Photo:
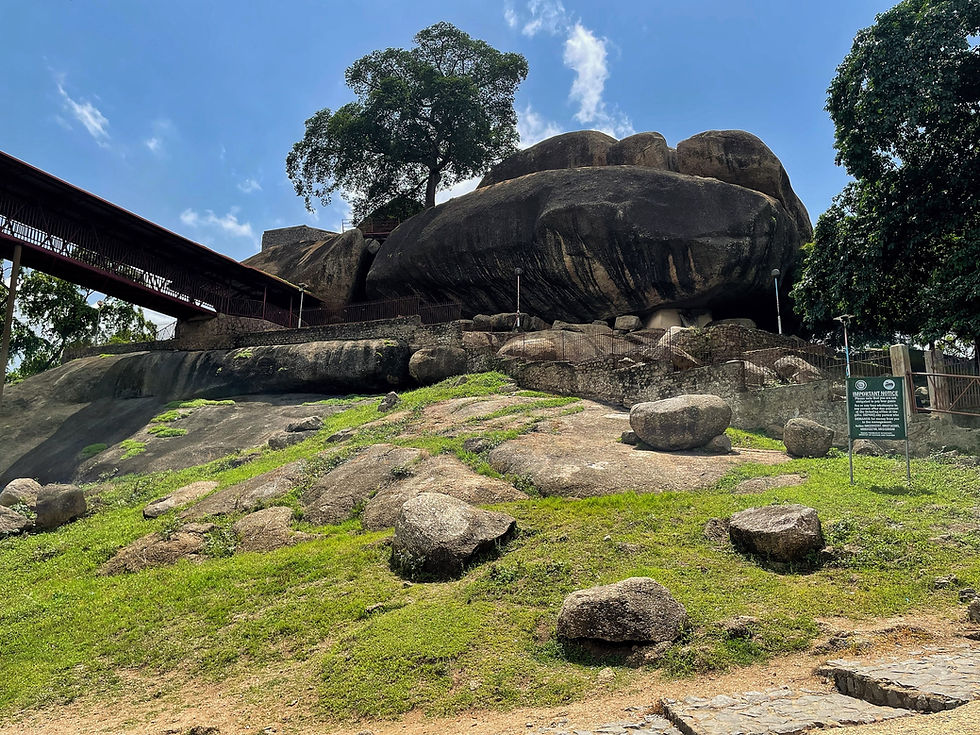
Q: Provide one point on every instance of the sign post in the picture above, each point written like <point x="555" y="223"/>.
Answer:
<point x="876" y="410"/>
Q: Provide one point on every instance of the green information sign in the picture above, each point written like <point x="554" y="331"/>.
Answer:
<point x="876" y="408"/>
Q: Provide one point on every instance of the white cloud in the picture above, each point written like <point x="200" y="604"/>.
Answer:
<point x="533" y="128"/>
<point x="228" y="223"/>
<point x="586" y="56"/>
<point x="510" y="16"/>
<point x="545" y="15"/>
<point x="458" y="189"/>
<point x="163" y="131"/>
<point x="88" y="115"/>
<point x="249" y="185"/>
<point x="154" y="144"/>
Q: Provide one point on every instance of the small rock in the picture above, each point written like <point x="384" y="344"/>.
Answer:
<point x="508" y="388"/>
<point x="967" y="594"/>
<point x="22" y="491"/>
<point x="741" y="626"/>
<point x="716" y="530"/>
<point x="182" y="496"/>
<point x="945" y="583"/>
<point x="389" y="402"/>
<point x="627" y="323"/>
<point x="606" y="676"/>
<point x="57" y="505"/>
<point x="341" y="435"/>
<point x="783" y="533"/>
<point x="12" y="522"/>
<point x="806" y="438"/>
<point x="476" y="444"/>
<point x="973" y="612"/>
<point x="637" y="610"/>
<point x="721" y="444"/>
<point x="267" y="530"/>
<point x="310" y="423"/>
<point x="629" y="437"/>
<point x="287" y="438"/>
<point x="867" y="448"/>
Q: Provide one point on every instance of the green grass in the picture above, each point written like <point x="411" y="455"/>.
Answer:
<point x="378" y="647"/>
<point x="132" y="448"/>
<point x="91" y="450"/>
<point x="198" y="402"/>
<point x="166" y="431"/>
<point x="752" y="440"/>
<point x="167" y="416"/>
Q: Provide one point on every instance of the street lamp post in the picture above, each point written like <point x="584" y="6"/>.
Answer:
<point x="518" y="272"/>
<point x="779" y="317"/>
<point x="98" y="316"/>
<point x="845" y="319"/>
<point x="302" y="292"/>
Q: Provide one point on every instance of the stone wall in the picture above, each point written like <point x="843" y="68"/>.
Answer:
<point x="291" y="235"/>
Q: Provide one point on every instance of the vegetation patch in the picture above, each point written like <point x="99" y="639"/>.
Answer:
<point x="167" y="416"/>
<point x="91" y="450"/>
<point x="198" y="402"/>
<point x="166" y="431"/>
<point x="132" y="448"/>
<point x="753" y="440"/>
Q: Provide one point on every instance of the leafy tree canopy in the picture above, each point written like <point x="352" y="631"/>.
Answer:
<point x="425" y="119"/>
<point x="899" y="247"/>
<point x="52" y="314"/>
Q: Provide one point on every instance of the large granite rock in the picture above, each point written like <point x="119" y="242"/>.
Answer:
<point x="806" y="438"/>
<point x="643" y="149"/>
<point x="20" y="491"/>
<point x="432" y="364"/>
<point x="58" y="505"/>
<point x="436" y="536"/>
<point x="334" y="268"/>
<point x="594" y="243"/>
<point x="783" y="533"/>
<point x="568" y="150"/>
<point x="636" y="610"/>
<point x="682" y="422"/>
<point x="741" y="158"/>
<point x="249" y="494"/>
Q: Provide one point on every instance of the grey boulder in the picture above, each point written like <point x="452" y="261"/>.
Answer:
<point x="568" y="150"/>
<point x="795" y="369"/>
<point x="806" y="438"/>
<point x="310" y="423"/>
<point x="973" y="611"/>
<point x="182" y="496"/>
<point x="12" y="522"/>
<point x="436" y="536"/>
<point x="783" y="533"/>
<point x="636" y="610"/>
<point x="57" y="505"/>
<point x="682" y="422"/>
<point x="22" y="491"/>
<point x="432" y="364"/>
<point x="267" y="530"/>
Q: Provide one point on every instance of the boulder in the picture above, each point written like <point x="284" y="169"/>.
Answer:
<point x="436" y="536"/>
<point x="12" y="522"/>
<point x="57" y="505"/>
<point x="267" y="530"/>
<point x="642" y="149"/>
<point x="741" y="158"/>
<point x="783" y="533"/>
<point x="721" y="444"/>
<point x="682" y="422"/>
<point x="507" y="322"/>
<point x="390" y="400"/>
<point x="636" y="610"/>
<point x="795" y="369"/>
<point x="283" y="439"/>
<point x="594" y="243"/>
<point x="310" y="423"/>
<point x="432" y="364"/>
<point x="628" y="323"/>
<point x="160" y="549"/>
<point x="182" y="496"/>
<point x="568" y="150"/>
<point x="806" y="438"/>
<point x="868" y="448"/>
<point x="249" y="494"/>
<point x="759" y="375"/>
<point x="22" y="491"/>
<point x="973" y="611"/>
<point x="595" y="327"/>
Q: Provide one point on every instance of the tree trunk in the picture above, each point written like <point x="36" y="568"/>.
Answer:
<point x="430" y="188"/>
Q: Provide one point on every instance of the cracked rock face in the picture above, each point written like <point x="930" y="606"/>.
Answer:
<point x="636" y="610"/>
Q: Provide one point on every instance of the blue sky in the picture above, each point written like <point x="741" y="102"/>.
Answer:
<point x="183" y="111"/>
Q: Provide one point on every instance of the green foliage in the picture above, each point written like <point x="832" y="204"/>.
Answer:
<point x="167" y="416"/>
<point x="132" y="448"/>
<point x="198" y="402"/>
<point x="425" y="119"/>
<point x="899" y="246"/>
<point x="91" y="450"/>
<point x="53" y="314"/>
<point x="165" y="431"/>
<point x="753" y="440"/>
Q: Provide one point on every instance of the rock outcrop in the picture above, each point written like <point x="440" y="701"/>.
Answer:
<point x="593" y="243"/>
<point x="249" y="494"/>
<point x="436" y="536"/>
<point x="568" y="150"/>
<point x="181" y="496"/>
<point x="432" y="364"/>
<point x="160" y="549"/>
<point x="267" y="530"/>
<point x="682" y="422"/>
<point x="636" y="610"/>
<point x="783" y="533"/>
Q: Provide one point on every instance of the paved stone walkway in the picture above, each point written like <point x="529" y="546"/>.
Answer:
<point x="868" y="693"/>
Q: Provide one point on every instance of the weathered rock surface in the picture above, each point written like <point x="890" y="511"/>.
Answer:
<point x="973" y="611"/>
<point x="432" y="364"/>
<point x="335" y="496"/>
<point x="578" y="346"/>
<point x="12" y="522"/>
<point x="267" y="530"/>
<point x="249" y="494"/>
<point x="568" y="150"/>
<point x="741" y="158"/>
<point x="682" y="422"/>
<point x="806" y="438"/>
<point x="594" y="243"/>
<point x="795" y="369"/>
<point x="21" y="491"/>
<point x="783" y="533"/>
<point x="721" y="444"/>
<point x="636" y="610"/>
<point x="284" y="439"/>
<point x="628" y="323"/>
<point x="643" y="149"/>
<point x="159" y="550"/>
<point x="442" y="474"/>
<point x="507" y="322"/>
<point x="310" y="423"/>
<point x="182" y="496"/>
<point x="334" y="268"/>
<point x="436" y="536"/>
<point x="58" y="505"/>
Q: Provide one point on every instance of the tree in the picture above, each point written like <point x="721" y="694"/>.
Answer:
<point x="425" y="119"/>
<point x="53" y="314"/>
<point x="900" y="245"/>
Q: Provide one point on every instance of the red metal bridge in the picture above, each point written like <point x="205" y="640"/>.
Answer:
<point x="69" y="233"/>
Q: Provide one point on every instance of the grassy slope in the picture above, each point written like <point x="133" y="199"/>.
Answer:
<point x="486" y="640"/>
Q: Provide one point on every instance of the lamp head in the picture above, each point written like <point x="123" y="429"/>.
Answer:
<point x="775" y="273"/>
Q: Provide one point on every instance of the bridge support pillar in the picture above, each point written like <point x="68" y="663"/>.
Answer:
<point x="8" y="319"/>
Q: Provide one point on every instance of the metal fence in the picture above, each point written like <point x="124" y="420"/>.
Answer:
<point x="953" y="385"/>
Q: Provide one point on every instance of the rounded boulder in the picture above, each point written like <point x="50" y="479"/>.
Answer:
<point x="432" y="364"/>
<point x="682" y="422"/>
<point x="22" y="491"/>
<point x="57" y="505"/>
<point x="636" y="610"/>
<point x="784" y="533"/>
<point x="806" y="438"/>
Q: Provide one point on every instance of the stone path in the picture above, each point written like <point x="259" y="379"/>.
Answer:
<point x="931" y="681"/>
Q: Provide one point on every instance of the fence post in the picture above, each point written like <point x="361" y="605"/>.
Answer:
<point x="902" y="368"/>
<point x="939" y="398"/>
